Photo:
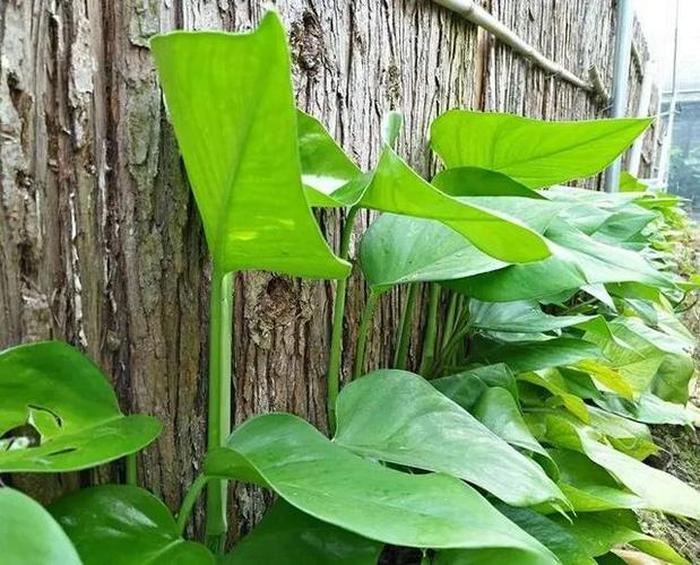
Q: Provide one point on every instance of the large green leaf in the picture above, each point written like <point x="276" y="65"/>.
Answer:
<point x="231" y="101"/>
<point x="658" y="490"/>
<point x="535" y="153"/>
<point x="465" y="388"/>
<point x="327" y="481"/>
<point x="397" y="416"/>
<point x="287" y="536"/>
<point x="67" y="400"/>
<point x="126" y="525"/>
<point x="29" y="534"/>
<point x="599" y="532"/>
<point x="647" y="408"/>
<point x="400" y="249"/>
<point x="396" y="188"/>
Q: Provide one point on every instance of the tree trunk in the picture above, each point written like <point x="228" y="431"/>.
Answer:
<point x="100" y="241"/>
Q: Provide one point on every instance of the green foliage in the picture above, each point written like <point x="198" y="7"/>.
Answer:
<point x="29" y="534"/>
<point x="552" y="337"/>
<point x="126" y="523"/>
<point x="65" y="400"/>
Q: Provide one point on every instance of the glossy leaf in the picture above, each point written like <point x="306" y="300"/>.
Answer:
<point x="126" y="523"/>
<point x="287" y="536"/>
<point x="400" y="249"/>
<point x="231" y="101"/>
<point x="330" y="483"/>
<point x="535" y="153"/>
<point x="398" y="417"/>
<point x="29" y="534"/>
<point x="647" y="408"/>
<point x="67" y="400"/>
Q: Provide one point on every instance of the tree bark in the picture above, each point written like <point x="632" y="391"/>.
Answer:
<point x="100" y="241"/>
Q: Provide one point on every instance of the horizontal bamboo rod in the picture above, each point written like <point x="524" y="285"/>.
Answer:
<point x="477" y="15"/>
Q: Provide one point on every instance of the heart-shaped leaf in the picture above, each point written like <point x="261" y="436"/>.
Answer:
<point x="29" y="534"/>
<point x="329" y="482"/>
<point x="397" y="416"/>
<point x="127" y="524"/>
<point x="232" y="105"/>
<point x="534" y="152"/>
<point x="68" y="402"/>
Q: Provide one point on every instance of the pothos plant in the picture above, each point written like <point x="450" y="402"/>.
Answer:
<point x="552" y="340"/>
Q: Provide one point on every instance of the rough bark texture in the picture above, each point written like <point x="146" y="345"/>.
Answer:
<point x="101" y="245"/>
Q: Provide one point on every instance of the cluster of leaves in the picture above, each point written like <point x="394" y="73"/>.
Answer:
<point x="552" y="340"/>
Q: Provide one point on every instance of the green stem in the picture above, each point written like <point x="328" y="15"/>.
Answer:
<point x="403" y="339"/>
<point x="131" y="474"/>
<point x="219" y="425"/>
<point x="188" y="502"/>
<point x="450" y="319"/>
<point x="362" y="333"/>
<point x="430" y="329"/>
<point x="336" y="347"/>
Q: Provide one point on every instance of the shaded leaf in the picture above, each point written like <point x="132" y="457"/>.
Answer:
<point x="128" y="524"/>
<point x="287" y="536"/>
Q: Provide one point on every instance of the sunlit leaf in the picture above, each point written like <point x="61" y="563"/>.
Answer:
<point x="231" y="101"/>
<point x="68" y="402"/>
<point x="535" y="153"/>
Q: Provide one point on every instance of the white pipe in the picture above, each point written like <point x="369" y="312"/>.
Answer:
<point x="668" y="137"/>
<point x="621" y="69"/>
<point x="477" y="15"/>
<point x="642" y="112"/>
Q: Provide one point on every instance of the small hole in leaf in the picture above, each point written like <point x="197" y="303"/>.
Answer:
<point x="62" y="451"/>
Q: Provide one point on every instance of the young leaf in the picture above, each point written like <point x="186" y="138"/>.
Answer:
<point x="126" y="523"/>
<point x="232" y="105"/>
<point x="69" y="403"/>
<point x="287" y="536"/>
<point x="325" y="480"/>
<point x="533" y="152"/>
<point x="397" y="416"/>
<point x="29" y="534"/>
